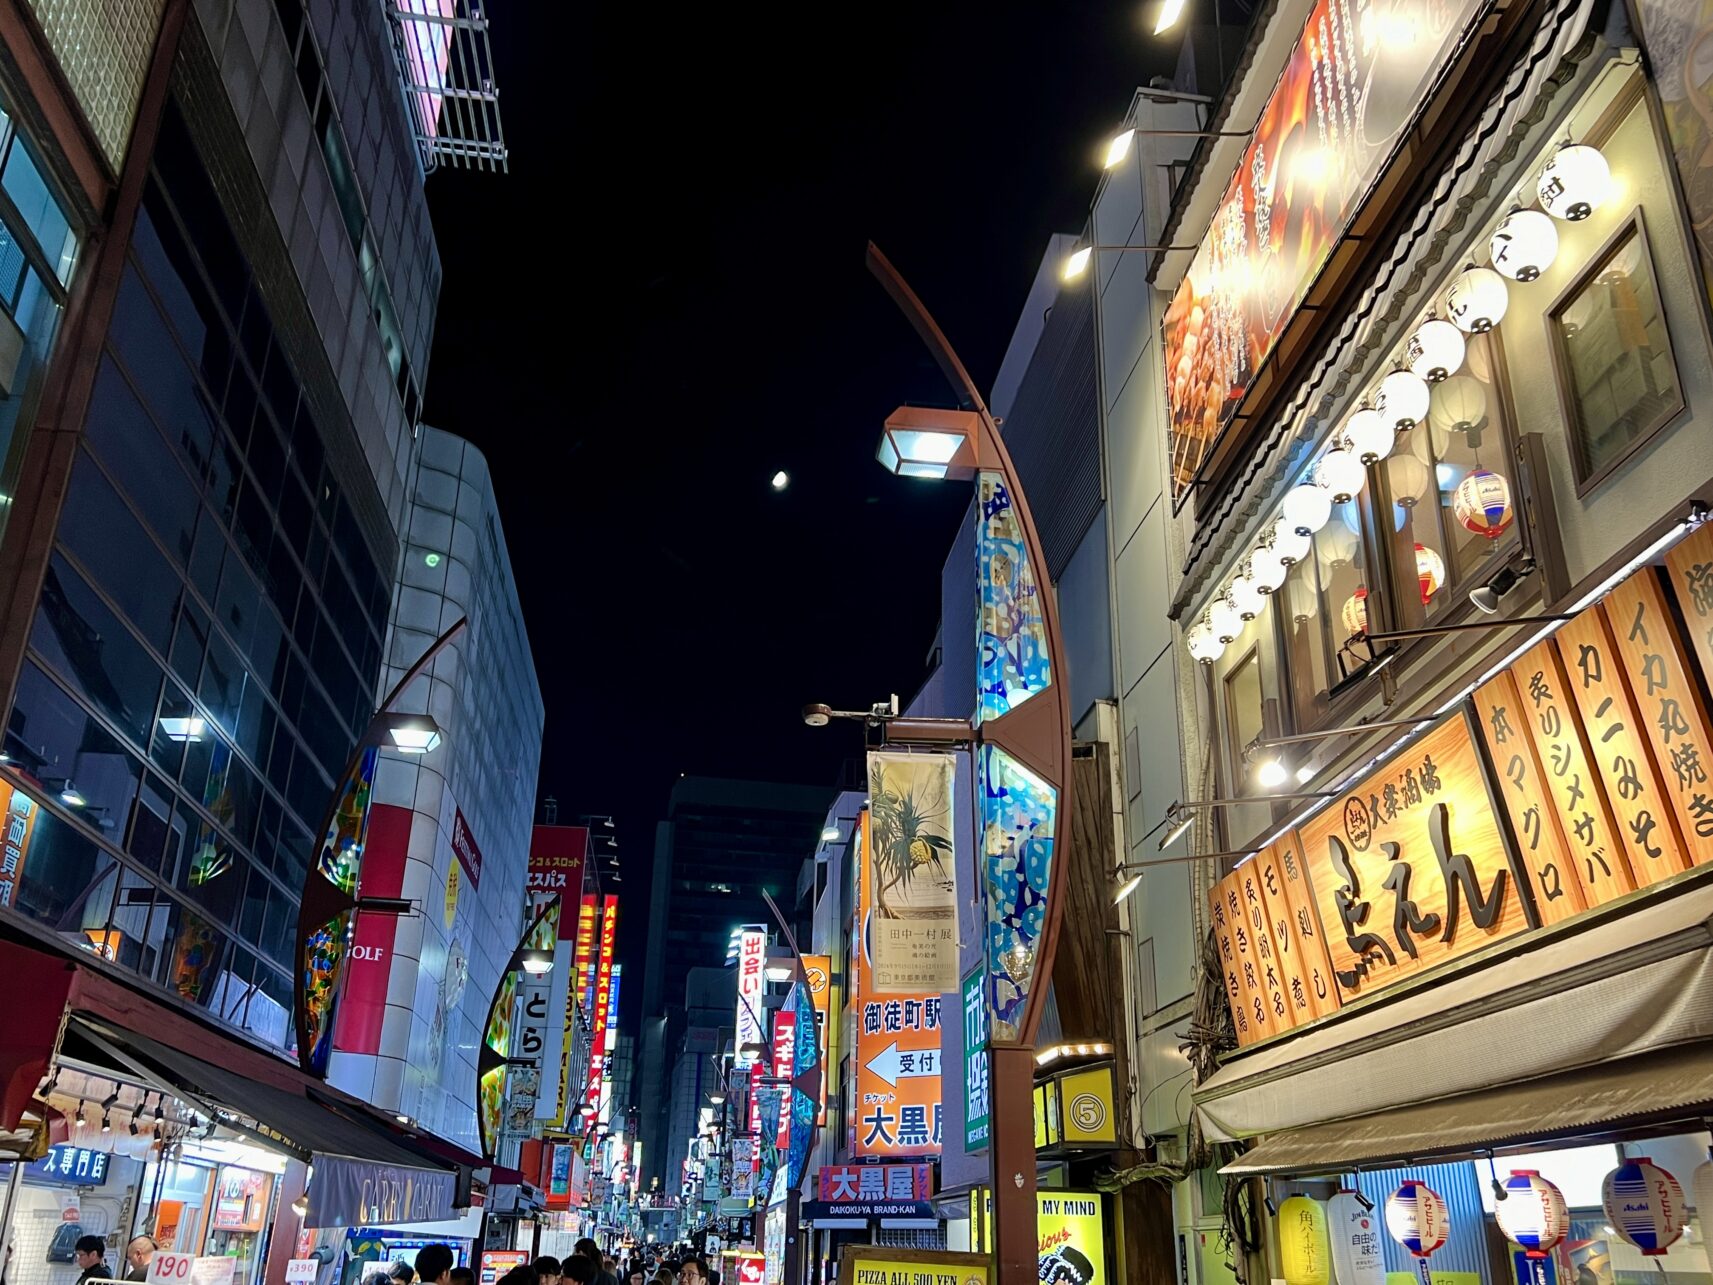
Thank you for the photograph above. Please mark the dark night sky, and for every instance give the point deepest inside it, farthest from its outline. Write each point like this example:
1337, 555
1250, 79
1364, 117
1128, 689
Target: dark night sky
665, 301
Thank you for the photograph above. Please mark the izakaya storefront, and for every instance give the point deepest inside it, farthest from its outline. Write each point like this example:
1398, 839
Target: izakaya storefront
1470, 987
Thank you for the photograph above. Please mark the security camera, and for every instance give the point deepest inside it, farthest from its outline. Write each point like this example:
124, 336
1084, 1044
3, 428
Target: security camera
1486, 597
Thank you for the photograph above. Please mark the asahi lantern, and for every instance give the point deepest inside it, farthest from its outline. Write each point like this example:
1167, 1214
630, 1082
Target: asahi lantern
1645, 1205
1418, 1219
1482, 503
1354, 1229
1303, 1250
1533, 1213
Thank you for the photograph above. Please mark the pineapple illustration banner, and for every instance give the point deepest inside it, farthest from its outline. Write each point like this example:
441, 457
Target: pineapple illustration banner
913, 875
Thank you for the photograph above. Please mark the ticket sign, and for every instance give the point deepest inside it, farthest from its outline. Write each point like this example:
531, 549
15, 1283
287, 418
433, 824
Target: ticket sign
1409, 866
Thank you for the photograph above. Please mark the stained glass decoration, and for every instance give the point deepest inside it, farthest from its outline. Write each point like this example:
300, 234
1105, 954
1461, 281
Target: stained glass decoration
323, 959
806, 1083
1013, 642
1019, 813
770, 1102
326, 946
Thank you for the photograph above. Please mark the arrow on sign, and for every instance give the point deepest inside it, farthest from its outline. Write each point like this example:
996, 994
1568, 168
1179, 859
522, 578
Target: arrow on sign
891, 1065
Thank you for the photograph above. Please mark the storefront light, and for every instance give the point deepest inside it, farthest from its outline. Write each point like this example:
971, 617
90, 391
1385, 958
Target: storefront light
1307, 508
1459, 405
1370, 435
1524, 245
1119, 147
1403, 400
1574, 183
1341, 474
1222, 613
1266, 572
1203, 644
1477, 300
1291, 544
1435, 350
1246, 595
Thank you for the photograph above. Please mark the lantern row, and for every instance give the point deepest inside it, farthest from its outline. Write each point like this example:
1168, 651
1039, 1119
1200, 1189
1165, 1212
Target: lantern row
1571, 186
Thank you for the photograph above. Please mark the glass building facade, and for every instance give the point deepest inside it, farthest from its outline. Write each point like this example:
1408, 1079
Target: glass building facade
203, 659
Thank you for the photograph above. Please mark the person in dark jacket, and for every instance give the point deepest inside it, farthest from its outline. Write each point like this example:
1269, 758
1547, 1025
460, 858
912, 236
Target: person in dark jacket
90, 1253
139, 1253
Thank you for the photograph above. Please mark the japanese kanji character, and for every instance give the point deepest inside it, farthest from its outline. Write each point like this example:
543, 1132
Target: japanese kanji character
913, 1127
879, 1123
1500, 718
1590, 664
1686, 763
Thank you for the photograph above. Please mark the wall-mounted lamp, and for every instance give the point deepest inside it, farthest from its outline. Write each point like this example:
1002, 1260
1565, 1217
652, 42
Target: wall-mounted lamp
1271, 769
1178, 819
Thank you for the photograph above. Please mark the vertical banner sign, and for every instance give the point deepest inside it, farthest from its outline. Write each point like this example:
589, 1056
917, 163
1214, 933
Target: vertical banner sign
784, 1067
1300, 1001
601, 998
1305, 920
752, 960
1269, 970
913, 876
556, 856
897, 1085
976, 1083
1071, 1237
818, 974
612, 1046
15, 842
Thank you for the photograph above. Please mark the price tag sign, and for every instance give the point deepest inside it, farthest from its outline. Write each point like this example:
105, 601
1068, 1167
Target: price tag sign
301, 1271
171, 1269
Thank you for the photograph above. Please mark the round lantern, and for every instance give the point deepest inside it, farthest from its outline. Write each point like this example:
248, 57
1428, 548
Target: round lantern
1645, 1205
1203, 645
1408, 479
1435, 350
1370, 435
1266, 570
1524, 245
1403, 400
1430, 572
1337, 546
1342, 474
1245, 594
1304, 601
1304, 1253
1222, 615
1307, 507
1355, 613
1356, 1255
1574, 182
1533, 1213
1290, 546
1477, 300
1459, 404
1417, 1218
1482, 502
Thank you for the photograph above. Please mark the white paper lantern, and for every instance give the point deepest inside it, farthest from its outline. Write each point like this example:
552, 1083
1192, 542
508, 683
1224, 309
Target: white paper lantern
1435, 350
1430, 572
1524, 245
1459, 404
1246, 595
1337, 545
1342, 474
1222, 615
1290, 544
1355, 612
1574, 182
1266, 572
1403, 400
1354, 1231
1307, 507
1202, 642
1482, 503
1370, 435
1418, 1219
1408, 479
1533, 1213
1645, 1205
1477, 300
1304, 601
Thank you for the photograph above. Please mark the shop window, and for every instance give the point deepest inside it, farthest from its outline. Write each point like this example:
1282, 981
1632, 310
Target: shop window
1617, 377
1449, 489
61, 871
80, 639
56, 742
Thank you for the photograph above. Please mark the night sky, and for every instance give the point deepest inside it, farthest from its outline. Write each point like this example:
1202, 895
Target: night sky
664, 301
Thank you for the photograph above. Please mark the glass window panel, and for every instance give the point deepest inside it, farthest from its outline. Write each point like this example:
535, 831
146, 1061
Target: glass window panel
156, 367
306, 449
111, 545
238, 407
53, 738
310, 789
294, 850
1620, 380
64, 871
279, 928
255, 908
239, 603
151, 823
178, 288
83, 642
129, 928
253, 526
1341, 564
42, 213
1468, 436
1305, 641
213, 877
207, 556
189, 951
256, 720
1242, 714
189, 643
222, 682
225, 477
192, 195
125, 440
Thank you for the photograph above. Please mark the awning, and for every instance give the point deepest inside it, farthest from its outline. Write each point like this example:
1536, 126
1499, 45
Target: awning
1637, 1093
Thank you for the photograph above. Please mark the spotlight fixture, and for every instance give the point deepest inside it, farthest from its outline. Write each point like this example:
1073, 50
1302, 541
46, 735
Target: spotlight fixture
106, 1122
80, 1118
1486, 596
300, 1206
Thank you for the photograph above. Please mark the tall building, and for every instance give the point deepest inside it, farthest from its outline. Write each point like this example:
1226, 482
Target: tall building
449, 829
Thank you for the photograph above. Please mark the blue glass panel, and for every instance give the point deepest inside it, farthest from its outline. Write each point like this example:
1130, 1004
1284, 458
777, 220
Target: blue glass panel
1013, 641
1019, 812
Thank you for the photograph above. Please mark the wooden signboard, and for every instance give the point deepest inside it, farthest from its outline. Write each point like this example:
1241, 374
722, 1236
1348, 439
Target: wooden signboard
1673, 714
1585, 818
1280, 1012
1311, 935
1690, 566
1287, 949
1522, 785
1225, 940
1646, 821
1409, 866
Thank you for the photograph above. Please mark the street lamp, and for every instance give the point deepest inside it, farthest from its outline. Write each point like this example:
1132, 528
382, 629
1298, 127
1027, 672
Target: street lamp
1021, 739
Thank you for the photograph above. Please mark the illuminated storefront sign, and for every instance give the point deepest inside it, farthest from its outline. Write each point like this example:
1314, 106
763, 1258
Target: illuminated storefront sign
1356, 78
752, 960
556, 856
15, 842
602, 1001
1597, 787
818, 974
913, 941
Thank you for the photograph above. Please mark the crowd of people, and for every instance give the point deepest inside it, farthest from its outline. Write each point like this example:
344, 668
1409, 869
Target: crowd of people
587, 1265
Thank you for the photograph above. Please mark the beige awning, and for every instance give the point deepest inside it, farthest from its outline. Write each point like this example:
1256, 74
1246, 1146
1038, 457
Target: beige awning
1639, 1092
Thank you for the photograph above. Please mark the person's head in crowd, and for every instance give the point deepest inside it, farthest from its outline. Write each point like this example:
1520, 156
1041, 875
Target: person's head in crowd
522, 1274
90, 1252
692, 1273
548, 1269
402, 1272
463, 1276
434, 1264
581, 1269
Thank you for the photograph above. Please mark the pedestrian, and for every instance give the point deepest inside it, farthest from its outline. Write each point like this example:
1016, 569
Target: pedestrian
434, 1264
522, 1274
401, 1272
463, 1276
548, 1269
579, 1270
139, 1253
377, 1276
693, 1272
590, 1250
90, 1253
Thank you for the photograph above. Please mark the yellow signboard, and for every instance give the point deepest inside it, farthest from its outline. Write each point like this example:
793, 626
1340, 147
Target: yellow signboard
884, 1265
1085, 1105
1072, 1246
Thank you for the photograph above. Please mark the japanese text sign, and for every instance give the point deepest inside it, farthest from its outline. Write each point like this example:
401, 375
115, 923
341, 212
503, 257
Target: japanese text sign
875, 1184
752, 960
977, 1085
